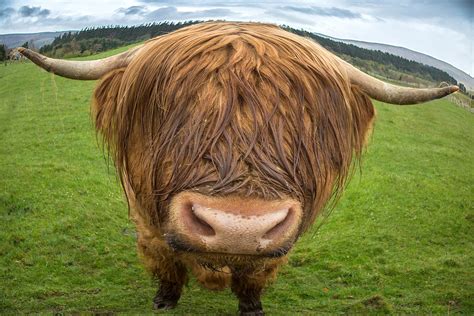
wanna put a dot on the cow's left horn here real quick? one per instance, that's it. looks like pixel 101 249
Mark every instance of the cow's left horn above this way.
pixel 80 70
pixel 390 93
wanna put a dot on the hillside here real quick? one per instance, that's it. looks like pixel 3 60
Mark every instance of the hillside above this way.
pixel 385 65
pixel 38 39
pixel 399 242
pixel 409 54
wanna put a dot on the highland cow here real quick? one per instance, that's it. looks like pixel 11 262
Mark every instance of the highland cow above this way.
pixel 229 139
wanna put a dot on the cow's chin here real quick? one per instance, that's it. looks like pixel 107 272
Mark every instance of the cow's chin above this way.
pixel 218 260
pixel 179 244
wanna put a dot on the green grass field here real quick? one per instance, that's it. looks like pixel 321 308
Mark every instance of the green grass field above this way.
pixel 401 239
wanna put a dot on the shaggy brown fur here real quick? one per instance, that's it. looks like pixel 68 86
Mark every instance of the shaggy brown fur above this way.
pixel 225 109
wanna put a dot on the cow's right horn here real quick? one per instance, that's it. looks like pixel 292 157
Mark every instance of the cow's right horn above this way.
pixel 390 93
pixel 80 70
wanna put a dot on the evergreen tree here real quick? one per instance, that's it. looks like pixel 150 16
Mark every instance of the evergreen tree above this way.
pixel 3 52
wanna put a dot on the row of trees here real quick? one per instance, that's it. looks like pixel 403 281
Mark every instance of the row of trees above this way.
pixel 93 40
pixel 399 63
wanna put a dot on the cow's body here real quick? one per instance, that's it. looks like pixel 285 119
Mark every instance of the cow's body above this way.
pixel 229 139
pixel 229 113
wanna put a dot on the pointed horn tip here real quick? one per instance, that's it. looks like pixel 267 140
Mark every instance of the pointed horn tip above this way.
pixel 30 54
pixel 449 88
pixel 24 51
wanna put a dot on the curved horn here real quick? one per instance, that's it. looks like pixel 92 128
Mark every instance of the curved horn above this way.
pixel 81 70
pixel 390 93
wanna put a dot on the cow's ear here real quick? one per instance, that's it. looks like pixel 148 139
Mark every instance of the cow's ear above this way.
pixel 363 115
pixel 104 104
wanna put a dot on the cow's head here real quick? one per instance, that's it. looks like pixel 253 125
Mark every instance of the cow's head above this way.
pixel 231 137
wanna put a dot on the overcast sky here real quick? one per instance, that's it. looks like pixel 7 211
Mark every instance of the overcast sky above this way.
pixel 440 28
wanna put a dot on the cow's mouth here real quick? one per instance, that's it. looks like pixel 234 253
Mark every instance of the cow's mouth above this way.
pixel 179 245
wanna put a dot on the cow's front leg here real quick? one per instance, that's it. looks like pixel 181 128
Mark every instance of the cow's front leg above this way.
pixel 248 292
pixel 168 294
pixel 170 273
pixel 247 285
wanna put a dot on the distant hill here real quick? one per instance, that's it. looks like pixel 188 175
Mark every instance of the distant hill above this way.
pixel 39 39
pixel 409 54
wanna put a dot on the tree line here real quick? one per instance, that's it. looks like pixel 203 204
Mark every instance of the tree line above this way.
pixel 92 40
pixel 378 56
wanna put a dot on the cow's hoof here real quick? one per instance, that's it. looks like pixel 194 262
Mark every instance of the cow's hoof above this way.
pixel 164 304
pixel 258 312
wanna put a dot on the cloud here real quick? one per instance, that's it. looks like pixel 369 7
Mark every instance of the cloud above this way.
pixel 133 10
pixel 27 11
pixel 201 3
pixel 329 12
pixel 248 4
pixel 160 1
pixel 5 4
pixel 449 13
pixel 172 13
pixel 6 13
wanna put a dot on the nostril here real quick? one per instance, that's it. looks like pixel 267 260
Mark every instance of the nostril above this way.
pixel 280 228
pixel 196 223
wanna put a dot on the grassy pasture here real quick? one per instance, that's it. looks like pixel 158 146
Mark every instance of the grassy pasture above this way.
pixel 401 239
